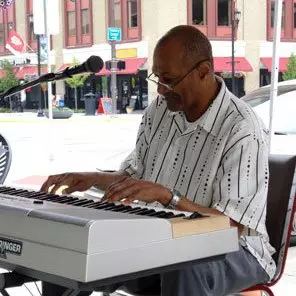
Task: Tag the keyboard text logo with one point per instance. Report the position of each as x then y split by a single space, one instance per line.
10 246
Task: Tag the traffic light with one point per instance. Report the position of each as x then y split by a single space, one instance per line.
121 65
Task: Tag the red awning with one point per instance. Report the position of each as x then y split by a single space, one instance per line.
131 67
267 63
29 70
63 67
225 64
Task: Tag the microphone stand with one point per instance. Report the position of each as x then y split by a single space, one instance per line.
44 78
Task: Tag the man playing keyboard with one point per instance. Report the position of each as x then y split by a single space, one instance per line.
199 149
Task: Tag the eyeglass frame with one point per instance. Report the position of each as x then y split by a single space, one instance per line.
171 87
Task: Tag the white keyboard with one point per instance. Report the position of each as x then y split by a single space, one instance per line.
86 244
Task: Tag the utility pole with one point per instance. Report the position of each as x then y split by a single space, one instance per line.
113 62
232 51
40 112
49 88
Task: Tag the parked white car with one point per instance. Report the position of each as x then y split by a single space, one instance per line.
283 140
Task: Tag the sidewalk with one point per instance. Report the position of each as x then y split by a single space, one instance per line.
32 117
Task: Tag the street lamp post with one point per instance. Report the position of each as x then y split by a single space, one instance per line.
235 18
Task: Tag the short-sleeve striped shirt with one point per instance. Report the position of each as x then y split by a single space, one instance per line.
219 161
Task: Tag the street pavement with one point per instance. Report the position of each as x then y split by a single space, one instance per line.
41 147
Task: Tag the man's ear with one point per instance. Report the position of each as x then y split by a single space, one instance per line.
204 69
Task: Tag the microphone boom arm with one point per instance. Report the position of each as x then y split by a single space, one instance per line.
44 78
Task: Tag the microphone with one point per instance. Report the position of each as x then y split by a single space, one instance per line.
93 64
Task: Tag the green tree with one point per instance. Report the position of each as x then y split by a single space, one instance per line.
9 80
291 72
76 81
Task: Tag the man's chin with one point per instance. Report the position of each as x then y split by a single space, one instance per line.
174 107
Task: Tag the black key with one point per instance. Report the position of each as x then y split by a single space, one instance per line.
94 204
195 215
66 199
87 203
8 191
4 189
169 215
120 208
156 214
131 209
90 205
39 196
78 202
20 191
108 208
179 215
105 205
139 211
73 200
49 197
26 194
31 194
147 212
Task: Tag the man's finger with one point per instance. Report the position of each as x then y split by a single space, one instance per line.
117 183
72 189
55 188
125 192
51 180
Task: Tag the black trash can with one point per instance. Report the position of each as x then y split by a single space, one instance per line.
90 102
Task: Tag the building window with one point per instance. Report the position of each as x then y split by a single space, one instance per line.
1 34
127 17
212 17
7 23
78 25
224 12
272 14
132 10
288 23
31 36
117 14
294 15
85 29
71 18
199 12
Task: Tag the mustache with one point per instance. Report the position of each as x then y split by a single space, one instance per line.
171 95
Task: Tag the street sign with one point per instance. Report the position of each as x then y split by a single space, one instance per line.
114 34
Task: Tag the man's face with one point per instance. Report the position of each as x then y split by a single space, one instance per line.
169 67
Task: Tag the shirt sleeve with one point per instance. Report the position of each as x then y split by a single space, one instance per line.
241 184
135 163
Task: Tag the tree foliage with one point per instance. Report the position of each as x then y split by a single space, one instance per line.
291 72
77 80
8 80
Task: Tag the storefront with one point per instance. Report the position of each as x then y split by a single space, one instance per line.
266 68
223 68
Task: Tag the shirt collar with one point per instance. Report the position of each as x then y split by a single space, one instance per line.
212 119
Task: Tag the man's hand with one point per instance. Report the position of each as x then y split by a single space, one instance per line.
130 189
73 182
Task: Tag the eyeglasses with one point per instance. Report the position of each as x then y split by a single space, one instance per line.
153 78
